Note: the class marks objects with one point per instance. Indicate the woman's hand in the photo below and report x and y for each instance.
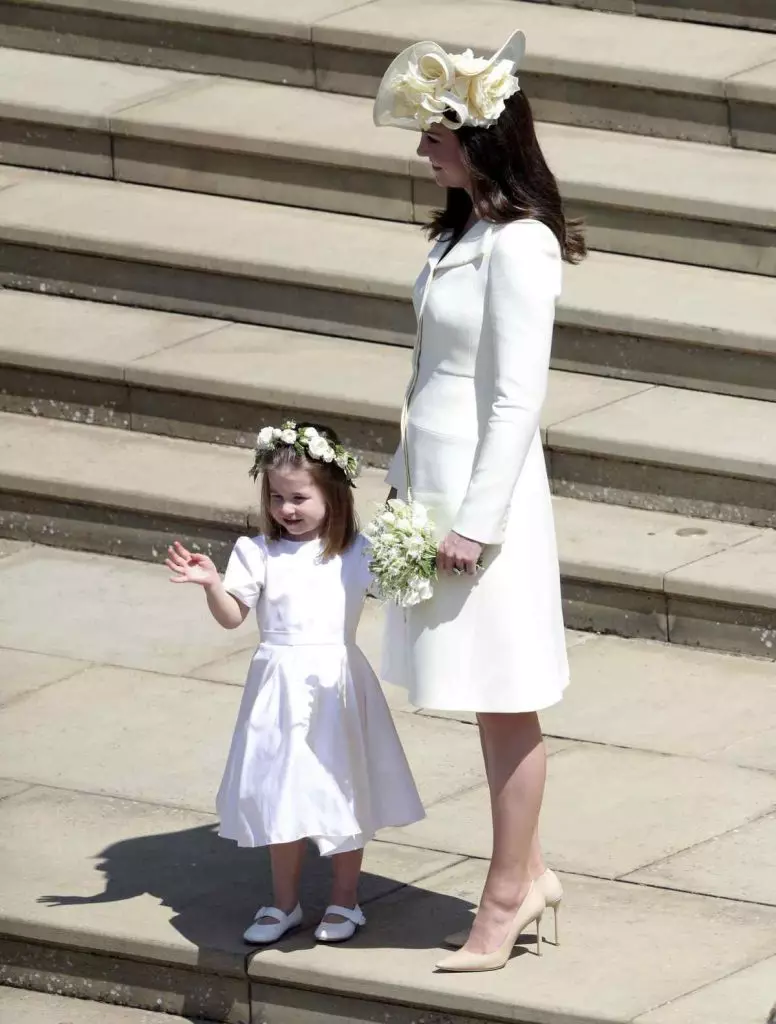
(190, 567)
(458, 553)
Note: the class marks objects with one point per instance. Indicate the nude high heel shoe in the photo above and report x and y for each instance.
(531, 909)
(551, 889)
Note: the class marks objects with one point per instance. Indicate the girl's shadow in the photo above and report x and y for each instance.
(214, 888)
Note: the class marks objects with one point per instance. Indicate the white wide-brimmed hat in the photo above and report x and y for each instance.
(425, 85)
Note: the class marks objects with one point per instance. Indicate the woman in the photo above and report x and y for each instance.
(491, 639)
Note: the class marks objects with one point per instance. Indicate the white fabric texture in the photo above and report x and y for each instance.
(315, 753)
(494, 643)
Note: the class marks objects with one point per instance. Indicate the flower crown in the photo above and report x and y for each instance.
(425, 85)
(308, 442)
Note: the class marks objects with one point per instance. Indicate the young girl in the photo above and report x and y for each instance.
(315, 754)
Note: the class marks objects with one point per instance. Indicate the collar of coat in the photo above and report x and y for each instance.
(472, 246)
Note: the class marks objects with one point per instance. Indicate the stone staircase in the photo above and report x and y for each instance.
(201, 231)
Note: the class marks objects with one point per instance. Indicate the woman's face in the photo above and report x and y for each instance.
(440, 146)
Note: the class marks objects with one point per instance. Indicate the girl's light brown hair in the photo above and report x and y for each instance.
(340, 526)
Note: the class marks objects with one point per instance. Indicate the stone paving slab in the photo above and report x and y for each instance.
(22, 672)
(717, 12)
(254, 364)
(102, 339)
(607, 292)
(131, 739)
(602, 545)
(253, 15)
(105, 610)
(701, 938)
(11, 547)
(659, 544)
(76, 93)
(140, 880)
(681, 802)
(738, 865)
(679, 427)
(156, 473)
(744, 997)
(752, 564)
(10, 788)
(575, 43)
(627, 692)
(18, 1006)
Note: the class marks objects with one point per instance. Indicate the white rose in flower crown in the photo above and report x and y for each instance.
(310, 433)
(277, 433)
(318, 446)
(288, 436)
(328, 455)
(265, 437)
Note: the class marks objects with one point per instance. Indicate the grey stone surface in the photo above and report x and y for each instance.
(155, 883)
(702, 939)
(101, 339)
(743, 997)
(641, 554)
(11, 547)
(100, 609)
(23, 672)
(711, 433)
(19, 1006)
(737, 865)
(640, 807)
(749, 567)
(76, 93)
(8, 787)
(630, 693)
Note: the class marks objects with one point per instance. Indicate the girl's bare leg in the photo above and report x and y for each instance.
(346, 868)
(286, 860)
(516, 766)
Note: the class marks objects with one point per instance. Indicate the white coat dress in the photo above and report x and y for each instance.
(472, 453)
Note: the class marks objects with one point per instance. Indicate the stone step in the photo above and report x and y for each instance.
(658, 198)
(647, 76)
(351, 277)
(607, 440)
(751, 14)
(25, 1006)
(630, 571)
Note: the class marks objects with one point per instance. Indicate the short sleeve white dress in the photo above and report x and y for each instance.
(473, 455)
(315, 753)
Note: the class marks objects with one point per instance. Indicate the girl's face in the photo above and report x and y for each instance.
(297, 503)
(440, 146)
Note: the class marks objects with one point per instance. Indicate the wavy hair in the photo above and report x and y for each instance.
(511, 181)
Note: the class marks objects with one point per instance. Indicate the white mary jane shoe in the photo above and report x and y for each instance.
(263, 934)
(340, 931)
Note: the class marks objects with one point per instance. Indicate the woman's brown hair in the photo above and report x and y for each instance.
(340, 527)
(511, 181)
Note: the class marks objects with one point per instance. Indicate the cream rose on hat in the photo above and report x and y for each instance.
(425, 85)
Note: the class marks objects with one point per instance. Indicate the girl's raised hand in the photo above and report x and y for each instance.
(190, 567)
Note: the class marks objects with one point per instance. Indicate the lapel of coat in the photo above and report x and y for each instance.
(475, 244)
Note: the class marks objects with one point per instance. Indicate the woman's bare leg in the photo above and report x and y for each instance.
(515, 763)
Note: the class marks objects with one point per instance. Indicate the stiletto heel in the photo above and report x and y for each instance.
(549, 886)
(531, 909)
(539, 950)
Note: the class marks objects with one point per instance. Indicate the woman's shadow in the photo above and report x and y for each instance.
(214, 888)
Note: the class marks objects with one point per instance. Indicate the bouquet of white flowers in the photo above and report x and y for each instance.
(404, 552)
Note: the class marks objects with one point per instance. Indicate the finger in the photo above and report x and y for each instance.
(180, 550)
(180, 579)
(177, 559)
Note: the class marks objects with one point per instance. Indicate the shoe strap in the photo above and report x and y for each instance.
(353, 914)
(273, 912)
